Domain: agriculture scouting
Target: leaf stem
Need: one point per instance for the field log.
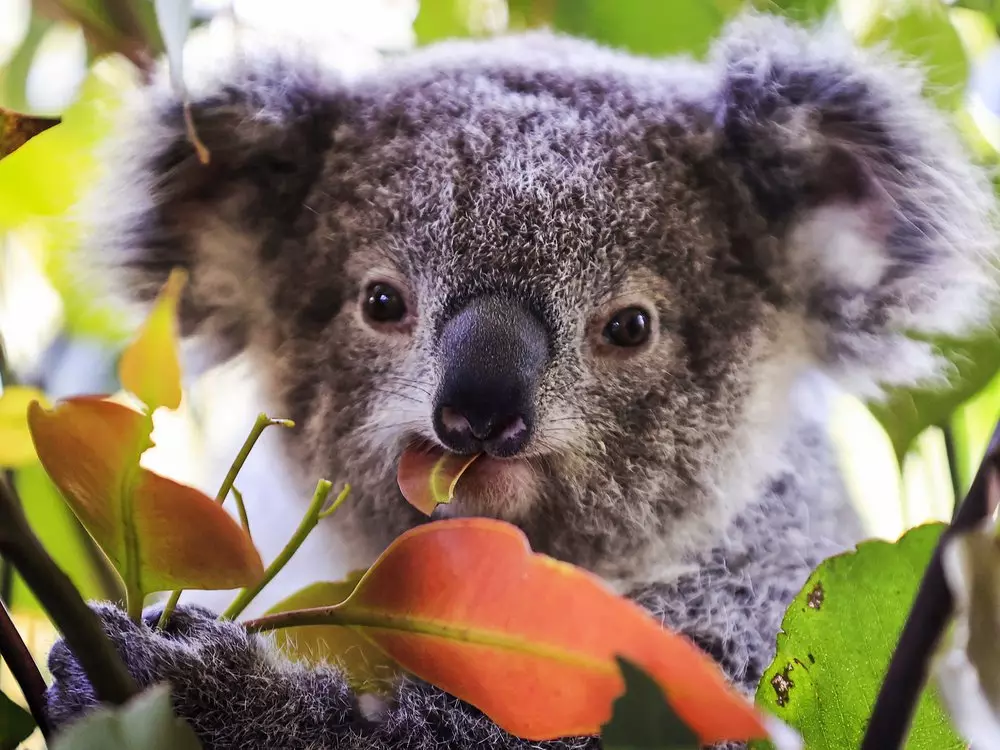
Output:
(932, 608)
(14, 652)
(260, 424)
(312, 517)
(241, 508)
(75, 620)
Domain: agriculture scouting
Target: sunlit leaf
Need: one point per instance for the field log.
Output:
(158, 534)
(908, 412)
(441, 19)
(146, 722)
(923, 31)
(798, 10)
(644, 27)
(60, 533)
(16, 724)
(836, 641)
(366, 667)
(16, 448)
(428, 479)
(17, 129)
(531, 641)
(642, 719)
(150, 367)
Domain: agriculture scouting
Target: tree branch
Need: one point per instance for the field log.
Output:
(22, 665)
(78, 624)
(932, 608)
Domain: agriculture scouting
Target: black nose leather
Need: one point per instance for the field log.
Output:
(492, 356)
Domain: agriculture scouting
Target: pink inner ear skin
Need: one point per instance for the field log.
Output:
(427, 478)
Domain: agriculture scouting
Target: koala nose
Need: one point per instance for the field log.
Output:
(492, 356)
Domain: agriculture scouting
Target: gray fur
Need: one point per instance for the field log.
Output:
(791, 204)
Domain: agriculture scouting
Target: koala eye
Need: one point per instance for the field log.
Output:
(629, 327)
(383, 303)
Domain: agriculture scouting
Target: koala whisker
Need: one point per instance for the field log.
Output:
(411, 383)
(397, 394)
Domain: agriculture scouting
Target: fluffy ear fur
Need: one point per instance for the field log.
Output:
(876, 221)
(266, 119)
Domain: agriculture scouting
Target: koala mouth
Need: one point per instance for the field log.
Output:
(443, 484)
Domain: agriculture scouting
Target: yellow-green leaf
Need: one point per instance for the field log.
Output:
(366, 667)
(16, 448)
(150, 367)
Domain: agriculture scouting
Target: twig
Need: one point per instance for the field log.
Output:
(312, 517)
(75, 620)
(22, 665)
(907, 675)
(262, 423)
(952, 455)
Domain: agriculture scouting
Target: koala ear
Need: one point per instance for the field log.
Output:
(875, 221)
(267, 119)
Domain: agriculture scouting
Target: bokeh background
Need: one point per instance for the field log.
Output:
(906, 460)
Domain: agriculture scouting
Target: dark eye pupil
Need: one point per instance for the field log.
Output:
(384, 304)
(628, 327)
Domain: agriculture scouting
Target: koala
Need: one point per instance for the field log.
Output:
(624, 281)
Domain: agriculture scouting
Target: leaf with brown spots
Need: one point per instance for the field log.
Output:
(836, 641)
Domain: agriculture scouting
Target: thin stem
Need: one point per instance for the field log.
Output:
(22, 665)
(262, 423)
(309, 522)
(932, 608)
(241, 508)
(75, 620)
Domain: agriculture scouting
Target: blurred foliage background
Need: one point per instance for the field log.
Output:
(906, 459)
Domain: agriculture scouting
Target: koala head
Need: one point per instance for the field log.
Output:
(601, 272)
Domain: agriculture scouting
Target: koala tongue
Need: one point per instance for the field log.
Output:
(427, 479)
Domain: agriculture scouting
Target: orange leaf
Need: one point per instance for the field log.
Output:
(366, 667)
(150, 367)
(158, 534)
(531, 641)
(428, 479)
(186, 540)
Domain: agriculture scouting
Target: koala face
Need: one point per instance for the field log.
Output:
(600, 272)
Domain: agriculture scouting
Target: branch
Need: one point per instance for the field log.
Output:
(932, 609)
(18, 658)
(78, 624)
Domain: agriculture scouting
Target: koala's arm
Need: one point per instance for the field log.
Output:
(237, 692)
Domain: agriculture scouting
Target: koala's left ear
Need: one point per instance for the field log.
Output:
(875, 221)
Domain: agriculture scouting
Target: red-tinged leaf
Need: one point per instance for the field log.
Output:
(366, 667)
(158, 534)
(186, 540)
(150, 366)
(90, 448)
(531, 641)
(428, 479)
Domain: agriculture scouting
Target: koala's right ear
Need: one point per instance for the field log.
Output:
(267, 119)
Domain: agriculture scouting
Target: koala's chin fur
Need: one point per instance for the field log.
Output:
(783, 212)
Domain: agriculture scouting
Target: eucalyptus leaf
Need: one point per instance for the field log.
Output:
(441, 19)
(146, 722)
(642, 718)
(836, 641)
(16, 724)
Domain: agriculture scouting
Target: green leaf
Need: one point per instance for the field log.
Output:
(836, 640)
(16, 724)
(799, 10)
(61, 535)
(441, 19)
(642, 719)
(643, 27)
(908, 412)
(146, 722)
(920, 29)
(972, 426)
